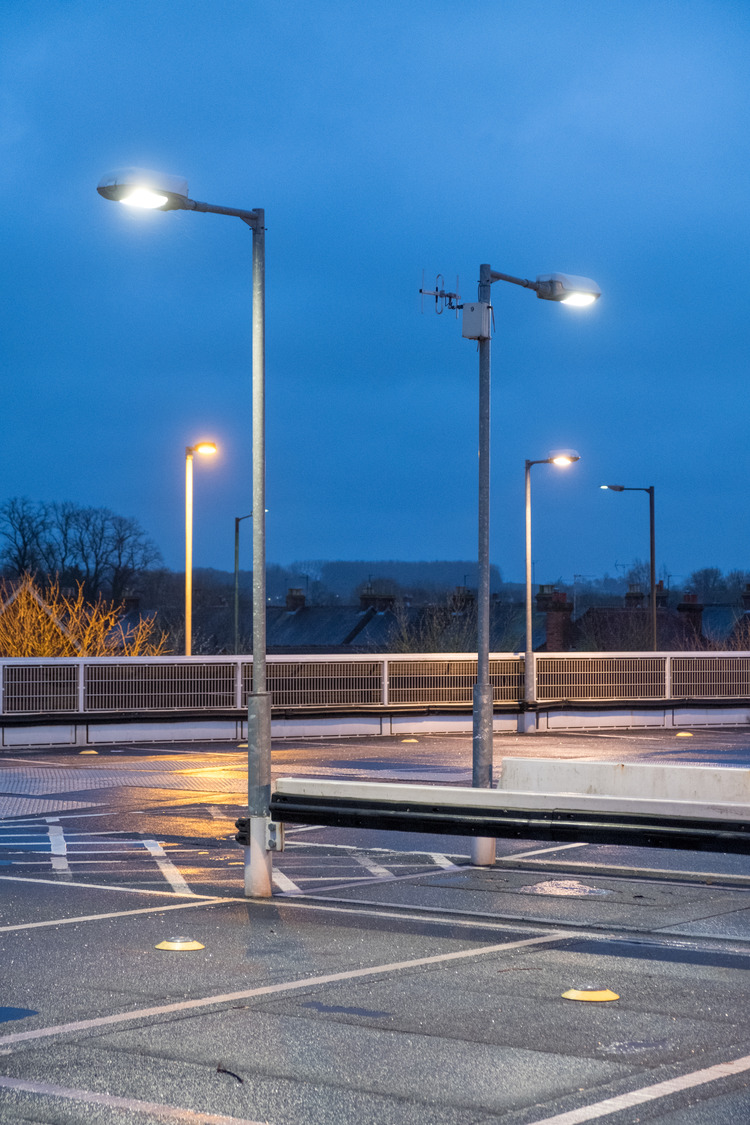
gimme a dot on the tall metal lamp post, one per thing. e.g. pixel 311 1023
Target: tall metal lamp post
pixel 237 521
pixel 652 553
pixel 206 448
pixel 561 458
pixel 138 187
pixel 577 291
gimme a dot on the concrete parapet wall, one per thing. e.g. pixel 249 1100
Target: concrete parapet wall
pixel 698 784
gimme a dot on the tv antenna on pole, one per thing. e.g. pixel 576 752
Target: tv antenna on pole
pixel 443 298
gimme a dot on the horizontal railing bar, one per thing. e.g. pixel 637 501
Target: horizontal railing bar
pixel 530 816
pixel 159 684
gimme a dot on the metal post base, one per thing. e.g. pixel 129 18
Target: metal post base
pixel 527 722
pixel 482 851
pixel 258 860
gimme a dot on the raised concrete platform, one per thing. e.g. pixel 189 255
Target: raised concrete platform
pixel 702 785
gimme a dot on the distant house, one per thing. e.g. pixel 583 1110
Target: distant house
pixel 627 628
pixel 383 623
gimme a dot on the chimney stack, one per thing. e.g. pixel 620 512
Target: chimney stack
pixel 558 609
pixel 635 597
pixel 693 612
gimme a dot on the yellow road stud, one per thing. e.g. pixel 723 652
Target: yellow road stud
pixel 590 994
pixel 180 943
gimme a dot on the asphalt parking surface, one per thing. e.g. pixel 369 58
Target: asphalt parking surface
pixel 386 980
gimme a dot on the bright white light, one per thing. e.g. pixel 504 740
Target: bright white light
pixel 145 198
pixel 568 289
pixel 563 457
pixel 579 299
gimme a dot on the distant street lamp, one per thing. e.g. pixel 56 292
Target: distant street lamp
pixel 652 552
pixel 206 448
pixel 577 291
pixel 562 458
pixel 237 521
pixel 138 187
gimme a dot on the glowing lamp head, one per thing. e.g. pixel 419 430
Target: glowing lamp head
pixel 139 187
pixel 563 457
pixel 567 289
pixel 145 198
pixel 614 487
pixel 206 447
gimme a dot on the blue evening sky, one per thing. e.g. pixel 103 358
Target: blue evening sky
pixel 602 139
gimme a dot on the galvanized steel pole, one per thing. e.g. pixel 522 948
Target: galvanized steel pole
pixel 529 693
pixel 483 849
pixel 188 551
pixel 258 858
pixel 237 521
pixel 652 552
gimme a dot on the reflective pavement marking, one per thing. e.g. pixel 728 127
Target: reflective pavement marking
pixel 167 868
pixel 271 989
pixel 167 1112
pixel 112 914
pixel 284 883
pixel 648 1093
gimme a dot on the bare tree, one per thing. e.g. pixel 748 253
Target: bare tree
pixel 23 527
pixel 95 547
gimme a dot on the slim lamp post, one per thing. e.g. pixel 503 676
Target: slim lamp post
pixel 154 190
pixel 476 326
pixel 205 448
pixel 562 458
pixel 237 521
pixel 652 553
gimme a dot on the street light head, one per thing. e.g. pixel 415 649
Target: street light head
pixel 567 289
pixel 208 447
pixel 564 456
pixel 614 487
pixel 138 187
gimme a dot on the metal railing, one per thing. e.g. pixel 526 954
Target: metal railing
pixel 109 685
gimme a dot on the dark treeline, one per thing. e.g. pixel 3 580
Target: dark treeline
pixel 110 555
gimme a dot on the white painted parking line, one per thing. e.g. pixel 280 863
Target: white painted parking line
pixel 58 849
pixel 104 887
pixel 284 883
pixel 167 868
pixel 163 1112
pixel 113 914
pixel 441 860
pixel 272 989
pixel 542 851
pixel 648 1093
pixel 374 868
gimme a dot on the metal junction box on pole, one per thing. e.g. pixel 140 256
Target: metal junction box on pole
pixel 476 321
